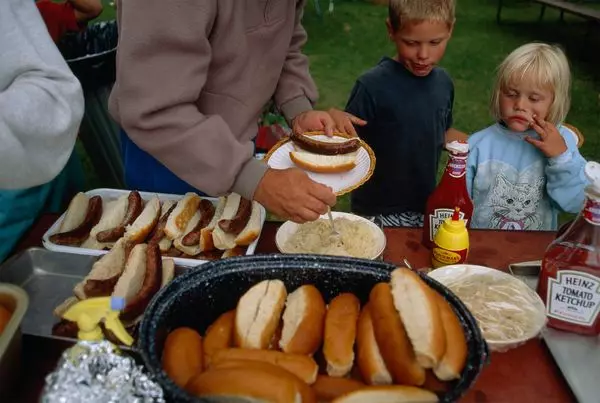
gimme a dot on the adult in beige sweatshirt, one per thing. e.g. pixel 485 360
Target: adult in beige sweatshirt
pixel 192 79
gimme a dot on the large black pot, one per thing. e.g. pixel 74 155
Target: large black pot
pixel 199 296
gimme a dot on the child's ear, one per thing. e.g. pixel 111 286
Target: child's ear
pixel 390 29
pixel 451 27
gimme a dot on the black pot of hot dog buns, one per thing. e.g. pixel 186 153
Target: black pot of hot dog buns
pixel 310 328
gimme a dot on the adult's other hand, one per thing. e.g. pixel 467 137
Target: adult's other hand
pixel 291 194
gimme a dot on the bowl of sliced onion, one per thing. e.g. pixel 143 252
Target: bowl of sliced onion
pixel 508 312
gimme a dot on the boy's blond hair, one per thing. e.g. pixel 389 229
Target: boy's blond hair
pixel 548 66
pixel 403 11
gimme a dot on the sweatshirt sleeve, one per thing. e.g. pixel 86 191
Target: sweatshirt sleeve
pixel 162 65
pixel 296 91
pixel 41 101
pixel 566 179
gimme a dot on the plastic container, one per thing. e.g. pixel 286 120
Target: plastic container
pixel 529 303
pixel 289 228
pixel 16 301
pixel 217 287
pixel 112 194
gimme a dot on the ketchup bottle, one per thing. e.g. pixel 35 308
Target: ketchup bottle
pixel 570 277
pixel 449 194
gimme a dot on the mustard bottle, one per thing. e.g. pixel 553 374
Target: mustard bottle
pixel 451 242
pixel 89 313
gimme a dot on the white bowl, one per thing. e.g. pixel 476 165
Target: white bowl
pixel 449 275
pixel 288 228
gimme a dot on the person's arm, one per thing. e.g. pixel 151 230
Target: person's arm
pixel 565 177
pixel 41 101
pixel 296 91
pixel 162 66
pixel 86 10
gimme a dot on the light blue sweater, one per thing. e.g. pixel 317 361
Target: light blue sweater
pixel 515 187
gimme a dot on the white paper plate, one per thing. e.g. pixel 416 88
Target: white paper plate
pixel 448 275
pixel 289 228
pixel 113 194
pixel 341 182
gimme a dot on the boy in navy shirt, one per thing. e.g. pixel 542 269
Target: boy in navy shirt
pixel 405 103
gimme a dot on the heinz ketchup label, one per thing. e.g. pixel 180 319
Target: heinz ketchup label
pixel 574 297
pixel 437 218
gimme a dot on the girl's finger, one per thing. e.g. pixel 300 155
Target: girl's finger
pixel 539 130
pixel 535 143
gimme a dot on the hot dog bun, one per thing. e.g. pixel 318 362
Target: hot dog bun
pixel 328 388
pixel 219 335
pixel 113 213
pixel 181 215
pixel 389 394
pixel 221 239
pixel 252 229
pixel 416 303
pixel 307 394
pixel 254 382
pixel 303 366
pixel 145 222
pixel 237 251
pixel 192 250
pixel 393 342
pixel 75 213
pixel 105 273
pixel 370 362
pixel 340 333
pixel 182 355
pixel 258 314
pixel 303 321
pixel 323 163
pixel 454 359
pixel 168 271
pixel 76 236
pixel 206 238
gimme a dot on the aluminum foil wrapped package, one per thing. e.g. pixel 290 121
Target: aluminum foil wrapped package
pixel 97 372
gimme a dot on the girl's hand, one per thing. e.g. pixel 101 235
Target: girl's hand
pixel 551 143
pixel 344 121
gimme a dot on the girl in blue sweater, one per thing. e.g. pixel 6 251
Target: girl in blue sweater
pixel 526 168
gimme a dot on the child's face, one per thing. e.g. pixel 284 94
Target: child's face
pixel 521 100
pixel 420 45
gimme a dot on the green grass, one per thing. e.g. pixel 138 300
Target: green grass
pixel 344 44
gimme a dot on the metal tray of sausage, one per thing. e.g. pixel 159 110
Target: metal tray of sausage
pixel 578 357
pixel 48 278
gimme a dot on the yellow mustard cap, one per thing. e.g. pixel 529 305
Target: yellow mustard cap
pixel 90 312
pixel 455 224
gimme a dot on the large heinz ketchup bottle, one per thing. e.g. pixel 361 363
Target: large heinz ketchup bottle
pixel 449 194
pixel 570 278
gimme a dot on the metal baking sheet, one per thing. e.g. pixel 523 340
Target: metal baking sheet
pixel 578 357
pixel 48 278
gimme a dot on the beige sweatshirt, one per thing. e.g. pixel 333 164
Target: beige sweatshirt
pixel 194 75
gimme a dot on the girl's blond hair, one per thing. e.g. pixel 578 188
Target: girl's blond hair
pixel 548 66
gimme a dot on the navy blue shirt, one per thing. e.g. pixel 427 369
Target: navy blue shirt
pixel 408 117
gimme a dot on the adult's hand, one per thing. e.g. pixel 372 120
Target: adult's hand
pixel 291 194
pixel 313 121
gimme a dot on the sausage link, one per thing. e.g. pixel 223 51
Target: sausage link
pixel 77 236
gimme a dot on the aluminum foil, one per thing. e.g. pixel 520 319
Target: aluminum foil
pixel 98 373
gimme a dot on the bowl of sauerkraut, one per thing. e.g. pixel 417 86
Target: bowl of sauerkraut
pixel 358 237
pixel 508 312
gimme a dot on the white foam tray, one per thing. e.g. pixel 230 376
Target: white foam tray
pixel 113 194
